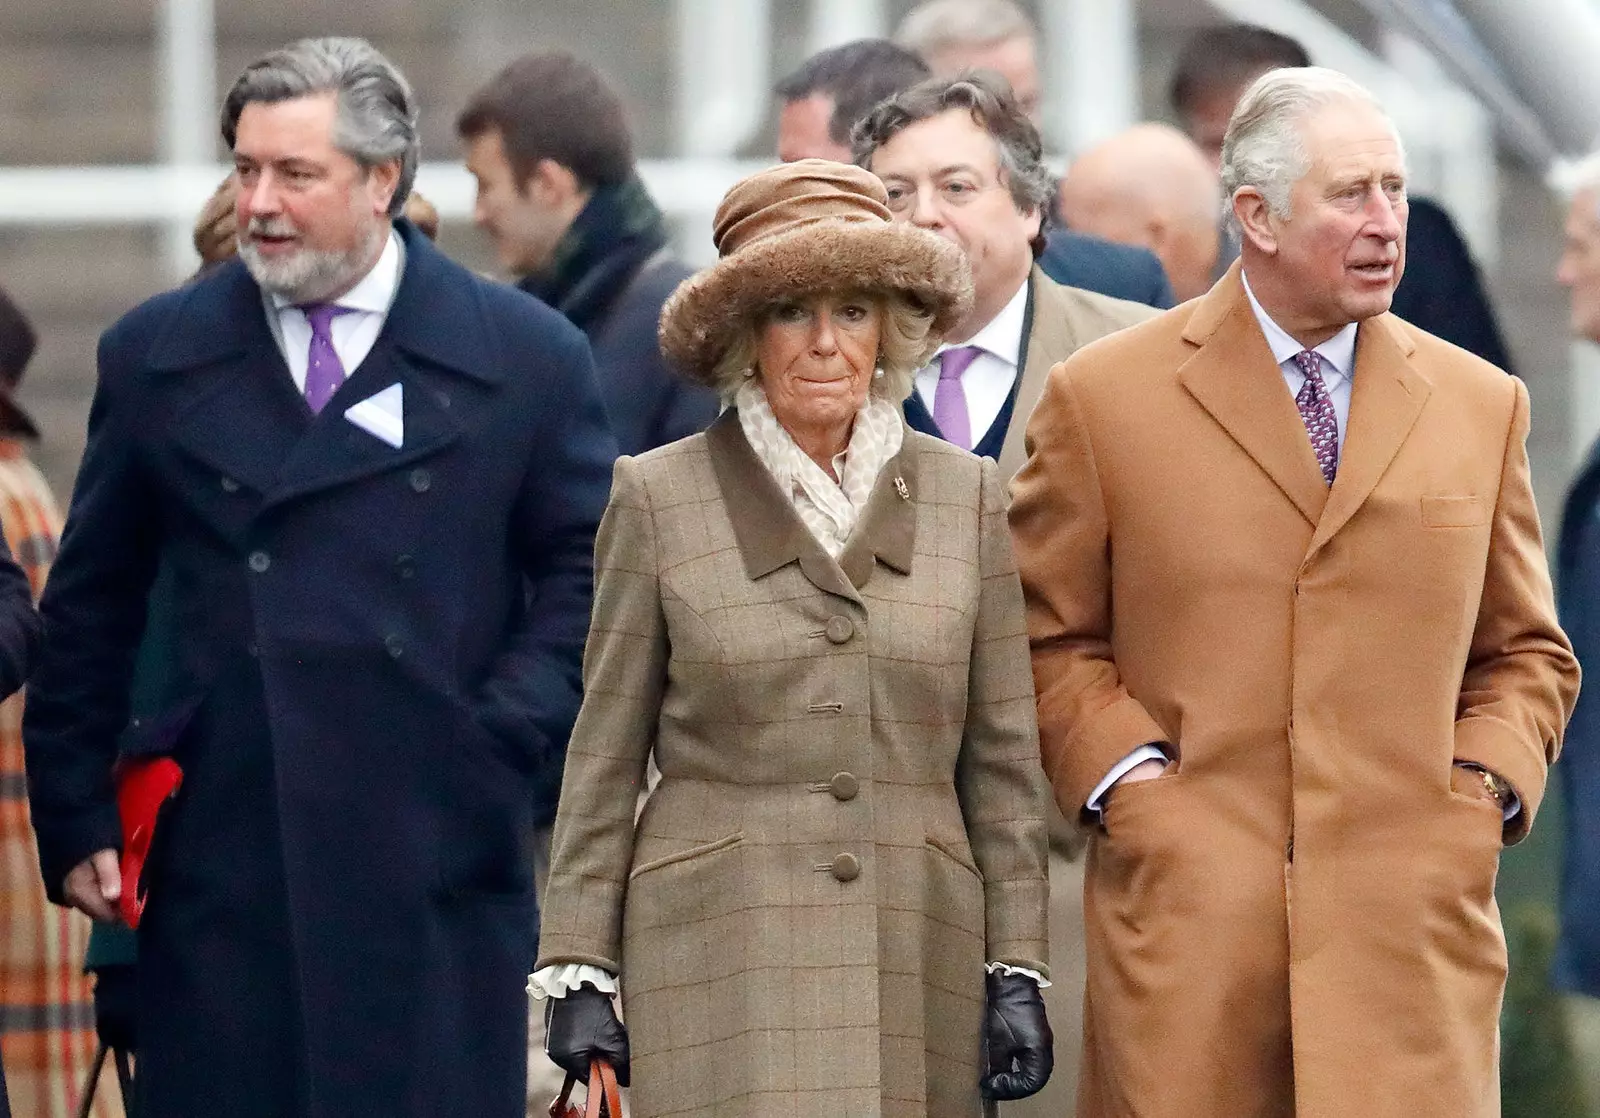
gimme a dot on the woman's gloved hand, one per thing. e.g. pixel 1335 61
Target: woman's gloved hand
pixel 581 1027
pixel 1018 1048
pixel 116 1006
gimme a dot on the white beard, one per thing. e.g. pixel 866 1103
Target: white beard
pixel 308 275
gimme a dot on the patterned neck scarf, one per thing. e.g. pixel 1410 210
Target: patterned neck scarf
pixel 828 509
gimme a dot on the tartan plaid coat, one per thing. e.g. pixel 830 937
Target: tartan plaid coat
pixel 849 821
pixel 46 1000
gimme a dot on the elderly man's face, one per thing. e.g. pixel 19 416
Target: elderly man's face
pixel 1339 256
pixel 803 131
pixel 311 220
pixel 1579 271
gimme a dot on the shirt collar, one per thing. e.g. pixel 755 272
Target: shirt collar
pixel 1339 351
pixel 375 291
pixel 1002 336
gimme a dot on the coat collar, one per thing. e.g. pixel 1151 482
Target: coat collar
pixel 241 415
pixel 223 317
pixel 770 534
pixel 1233 376
pixel 1049 335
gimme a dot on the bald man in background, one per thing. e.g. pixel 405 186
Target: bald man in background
pixel 1150 186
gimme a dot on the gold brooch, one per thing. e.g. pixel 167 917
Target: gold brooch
pixel 900 488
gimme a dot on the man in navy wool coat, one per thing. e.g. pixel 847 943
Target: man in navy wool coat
pixel 375 480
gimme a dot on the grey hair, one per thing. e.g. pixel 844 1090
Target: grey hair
pixel 1264 148
pixel 1578 177
pixel 904 346
pixel 941 24
pixel 376 121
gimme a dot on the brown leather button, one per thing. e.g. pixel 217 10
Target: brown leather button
pixel 846 867
pixel 844 786
pixel 839 629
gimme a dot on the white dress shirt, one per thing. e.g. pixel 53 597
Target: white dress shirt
pixel 354 334
pixel 989 379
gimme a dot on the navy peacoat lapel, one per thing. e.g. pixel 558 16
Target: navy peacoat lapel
pixel 244 418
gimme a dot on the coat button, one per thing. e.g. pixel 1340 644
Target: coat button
pixel 260 561
pixel 405 566
pixel 229 485
pixel 839 629
pixel 421 480
pixel 844 786
pixel 253 650
pixel 846 867
pixel 394 646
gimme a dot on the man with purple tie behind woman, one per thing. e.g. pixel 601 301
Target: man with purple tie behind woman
pixel 960 158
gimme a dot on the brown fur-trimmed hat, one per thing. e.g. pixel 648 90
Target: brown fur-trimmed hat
pixel 801 228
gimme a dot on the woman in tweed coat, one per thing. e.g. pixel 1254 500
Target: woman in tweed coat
pixel 834 901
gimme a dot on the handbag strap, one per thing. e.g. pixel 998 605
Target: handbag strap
pixel 607 1092
pixel 602 1089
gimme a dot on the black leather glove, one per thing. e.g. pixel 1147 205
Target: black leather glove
pixel 1018 1048
pixel 583 1026
pixel 116 1006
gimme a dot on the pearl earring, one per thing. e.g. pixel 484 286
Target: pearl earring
pixel 877 374
pixel 749 372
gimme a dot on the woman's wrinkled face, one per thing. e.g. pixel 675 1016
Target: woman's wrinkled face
pixel 815 356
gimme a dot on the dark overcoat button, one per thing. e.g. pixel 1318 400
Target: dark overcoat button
pixel 839 629
pixel 844 786
pixel 405 566
pixel 846 867
pixel 260 561
pixel 394 646
pixel 421 480
pixel 229 485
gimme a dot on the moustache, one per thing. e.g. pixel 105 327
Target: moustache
pixel 269 227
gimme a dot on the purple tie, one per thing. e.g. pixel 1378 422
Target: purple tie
pixel 950 399
pixel 324 370
pixel 1316 408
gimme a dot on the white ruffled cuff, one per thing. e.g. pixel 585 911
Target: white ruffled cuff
pixel 558 981
pixel 1007 968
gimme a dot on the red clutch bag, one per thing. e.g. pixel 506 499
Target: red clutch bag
pixel 144 786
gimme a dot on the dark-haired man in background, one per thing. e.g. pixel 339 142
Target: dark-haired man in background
pixel 957 37
pixel 822 100
pixel 548 141
pixel 1441 290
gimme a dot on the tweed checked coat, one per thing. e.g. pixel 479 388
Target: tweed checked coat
pixel 1299 919
pixel 849 821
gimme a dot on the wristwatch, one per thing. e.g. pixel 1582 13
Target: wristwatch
pixel 1492 784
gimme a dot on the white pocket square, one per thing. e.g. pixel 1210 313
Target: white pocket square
pixel 381 415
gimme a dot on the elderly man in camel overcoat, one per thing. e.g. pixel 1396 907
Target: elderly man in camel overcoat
pixel 1296 658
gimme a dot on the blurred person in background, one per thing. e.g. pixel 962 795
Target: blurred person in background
pixel 821 101
pixel 959 158
pixel 954 36
pixel 46 1004
pixel 548 142
pixel 376 479
pixel 834 901
pixel 1296 654
pixel 1577 961
pixel 1442 290
pixel 1150 186
pixel 957 37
